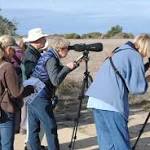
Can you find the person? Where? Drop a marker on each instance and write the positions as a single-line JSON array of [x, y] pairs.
[[10, 90], [108, 94], [51, 72], [16, 61], [23, 44], [35, 42]]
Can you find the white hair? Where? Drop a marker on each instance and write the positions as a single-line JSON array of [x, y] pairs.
[[57, 43], [142, 43]]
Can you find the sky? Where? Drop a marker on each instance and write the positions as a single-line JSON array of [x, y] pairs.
[[82, 6], [135, 11]]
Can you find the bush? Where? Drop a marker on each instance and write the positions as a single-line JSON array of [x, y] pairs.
[[92, 35], [7, 27], [72, 36], [123, 35]]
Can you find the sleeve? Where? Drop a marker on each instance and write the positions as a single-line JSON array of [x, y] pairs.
[[135, 75], [56, 73], [29, 62], [13, 82], [28, 66]]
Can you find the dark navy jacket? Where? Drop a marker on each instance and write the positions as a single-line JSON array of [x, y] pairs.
[[30, 60]]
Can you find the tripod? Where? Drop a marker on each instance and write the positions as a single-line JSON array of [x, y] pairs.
[[85, 84], [141, 131]]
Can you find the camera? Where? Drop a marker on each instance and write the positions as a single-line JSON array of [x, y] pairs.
[[95, 47]]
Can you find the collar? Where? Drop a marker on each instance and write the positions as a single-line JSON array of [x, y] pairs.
[[132, 45], [55, 53], [34, 50]]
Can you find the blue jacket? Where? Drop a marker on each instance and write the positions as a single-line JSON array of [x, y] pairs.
[[40, 70], [50, 71], [109, 87]]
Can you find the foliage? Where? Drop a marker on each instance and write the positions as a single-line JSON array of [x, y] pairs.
[[72, 36], [92, 35], [113, 31], [123, 35], [7, 27]]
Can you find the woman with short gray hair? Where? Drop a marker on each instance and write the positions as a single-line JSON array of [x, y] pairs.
[[50, 71], [57, 43]]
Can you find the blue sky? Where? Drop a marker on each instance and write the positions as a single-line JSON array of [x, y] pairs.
[[104, 7], [90, 13]]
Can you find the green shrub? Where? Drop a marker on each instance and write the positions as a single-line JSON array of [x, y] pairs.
[[92, 35], [123, 35], [72, 36], [113, 31], [7, 27]]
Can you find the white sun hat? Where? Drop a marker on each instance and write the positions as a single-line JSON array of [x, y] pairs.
[[34, 34]]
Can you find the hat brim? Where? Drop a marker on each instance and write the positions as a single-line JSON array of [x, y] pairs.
[[28, 39]]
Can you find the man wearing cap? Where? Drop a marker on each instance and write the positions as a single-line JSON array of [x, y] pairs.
[[36, 39], [36, 42]]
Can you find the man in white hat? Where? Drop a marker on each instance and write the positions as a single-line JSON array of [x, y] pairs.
[[36, 39], [36, 42]]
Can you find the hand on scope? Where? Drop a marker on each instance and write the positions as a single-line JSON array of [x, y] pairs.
[[71, 65]]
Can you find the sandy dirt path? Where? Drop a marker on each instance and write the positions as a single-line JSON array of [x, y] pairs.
[[86, 135]]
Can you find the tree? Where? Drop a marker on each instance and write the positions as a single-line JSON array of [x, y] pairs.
[[114, 30], [6, 26]]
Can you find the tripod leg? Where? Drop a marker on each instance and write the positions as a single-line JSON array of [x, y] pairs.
[[86, 81], [73, 136], [141, 131], [76, 121]]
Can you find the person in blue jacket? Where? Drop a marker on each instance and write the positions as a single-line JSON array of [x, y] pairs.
[[51, 72], [108, 94]]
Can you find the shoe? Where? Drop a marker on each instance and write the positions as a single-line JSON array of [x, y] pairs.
[[42, 147], [25, 148]]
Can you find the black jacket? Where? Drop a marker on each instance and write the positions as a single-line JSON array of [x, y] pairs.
[[30, 60]]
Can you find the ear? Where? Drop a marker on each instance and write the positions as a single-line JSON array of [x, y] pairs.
[[7, 50]]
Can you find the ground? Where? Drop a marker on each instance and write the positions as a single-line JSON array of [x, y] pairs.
[[86, 134]]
